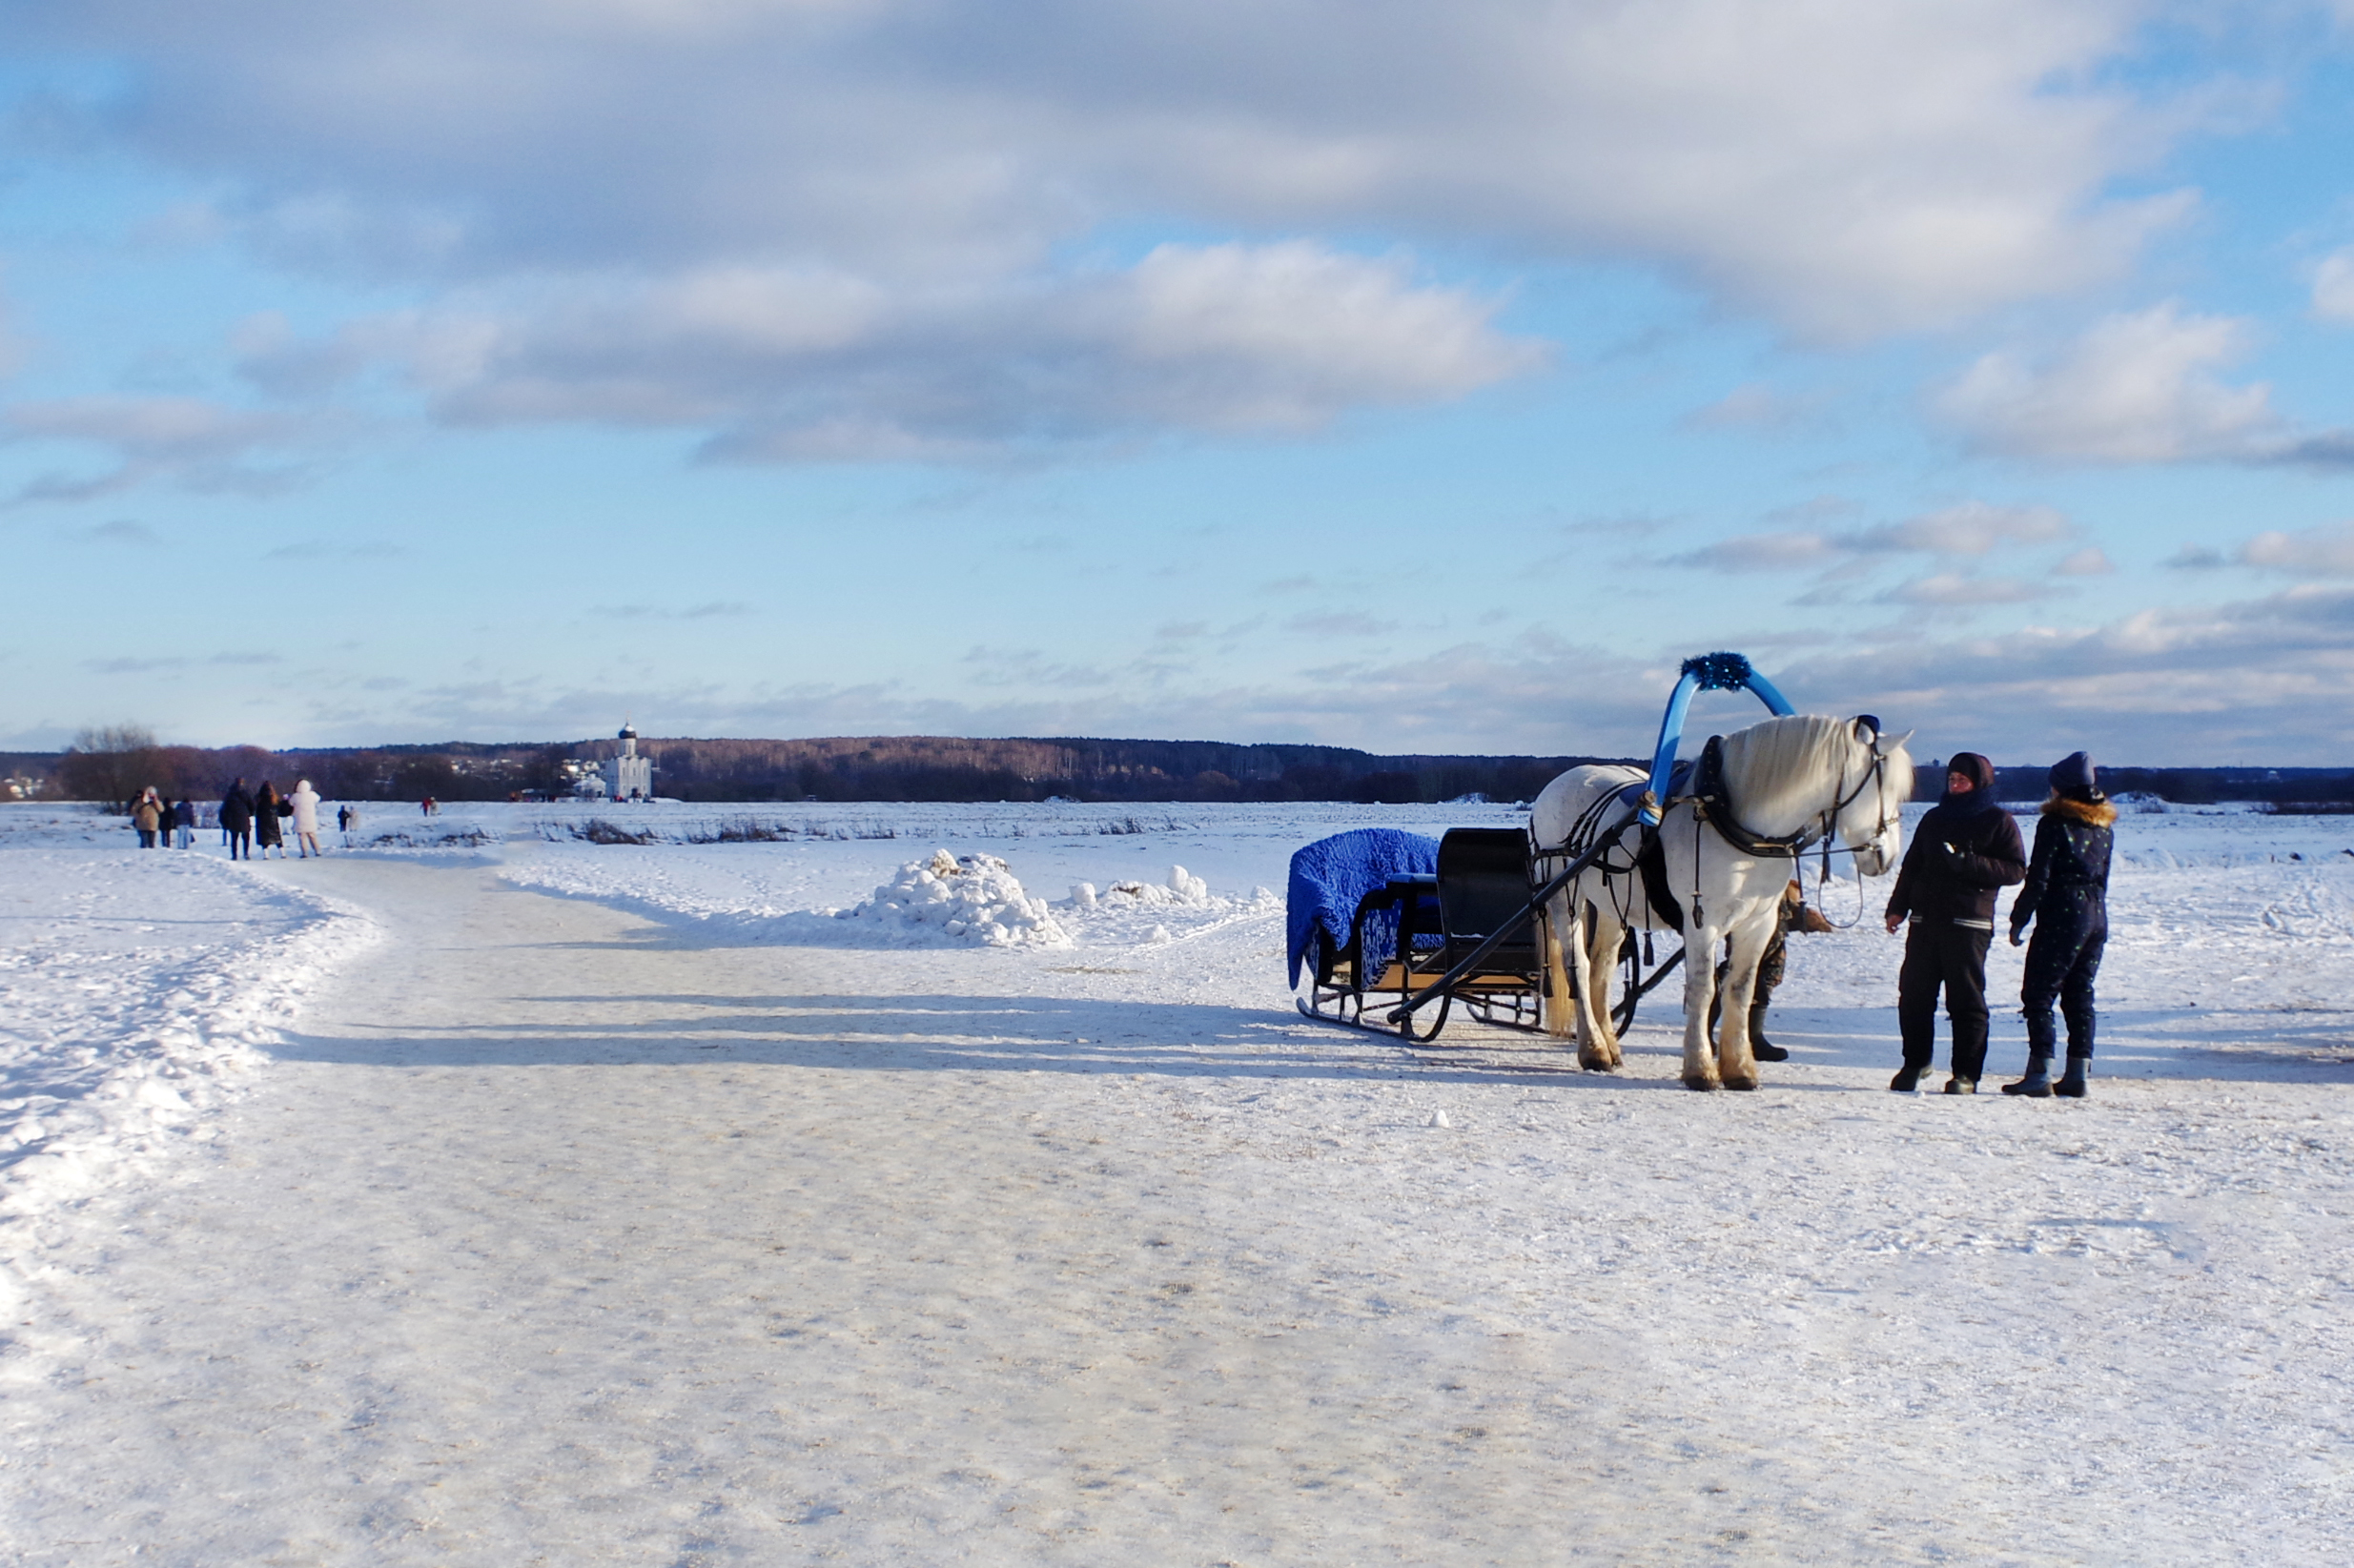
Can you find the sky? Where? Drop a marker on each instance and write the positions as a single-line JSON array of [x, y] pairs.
[[1409, 378]]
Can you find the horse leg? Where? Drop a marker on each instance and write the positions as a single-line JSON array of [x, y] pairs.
[[1609, 935], [1592, 1043], [1560, 1018], [1699, 990], [1736, 1058], [1597, 1041]]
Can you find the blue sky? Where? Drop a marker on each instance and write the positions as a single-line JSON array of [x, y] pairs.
[[1388, 375]]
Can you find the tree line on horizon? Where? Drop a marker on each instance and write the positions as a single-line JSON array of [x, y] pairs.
[[112, 764]]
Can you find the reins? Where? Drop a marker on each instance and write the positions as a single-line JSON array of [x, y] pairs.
[[1820, 831]]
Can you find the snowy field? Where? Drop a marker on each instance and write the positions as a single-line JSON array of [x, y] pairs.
[[490, 1193]]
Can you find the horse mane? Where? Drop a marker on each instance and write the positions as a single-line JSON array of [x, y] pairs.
[[1777, 771]]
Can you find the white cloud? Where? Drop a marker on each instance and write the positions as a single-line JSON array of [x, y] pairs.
[[2268, 679], [1969, 528], [2333, 288], [1973, 528], [2090, 562], [1845, 167], [198, 444], [2135, 387], [1952, 589], [1780, 552], [2258, 681], [2310, 551], [786, 364], [1756, 408], [1280, 335]]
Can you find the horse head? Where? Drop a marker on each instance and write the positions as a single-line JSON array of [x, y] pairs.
[[1869, 820]]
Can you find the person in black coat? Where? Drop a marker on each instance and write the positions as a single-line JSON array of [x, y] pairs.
[[268, 835], [2067, 897], [1965, 850], [236, 819]]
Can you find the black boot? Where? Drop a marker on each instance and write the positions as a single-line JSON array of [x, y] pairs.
[[2037, 1083], [2072, 1085], [1907, 1078], [1761, 1048]]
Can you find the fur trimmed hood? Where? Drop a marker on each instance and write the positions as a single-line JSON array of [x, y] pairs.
[[2091, 813]]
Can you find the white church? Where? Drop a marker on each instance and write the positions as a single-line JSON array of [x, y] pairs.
[[633, 775], [632, 780]]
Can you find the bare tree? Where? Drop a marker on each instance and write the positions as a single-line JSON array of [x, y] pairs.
[[109, 764]]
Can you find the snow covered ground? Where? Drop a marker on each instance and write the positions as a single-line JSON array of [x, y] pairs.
[[622, 1202], [136, 991]]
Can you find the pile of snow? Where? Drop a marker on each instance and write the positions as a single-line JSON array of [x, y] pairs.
[[1184, 888], [1138, 912], [961, 899]]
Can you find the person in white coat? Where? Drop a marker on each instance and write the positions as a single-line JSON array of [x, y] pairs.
[[305, 802]]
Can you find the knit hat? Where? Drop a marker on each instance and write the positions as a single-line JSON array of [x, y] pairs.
[[2072, 776]]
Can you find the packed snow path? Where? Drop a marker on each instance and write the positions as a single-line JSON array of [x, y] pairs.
[[557, 1237]]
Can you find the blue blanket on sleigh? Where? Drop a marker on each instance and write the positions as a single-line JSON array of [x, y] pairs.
[[1331, 876]]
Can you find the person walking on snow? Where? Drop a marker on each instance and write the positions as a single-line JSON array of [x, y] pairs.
[[267, 834], [236, 819], [1964, 852], [2067, 897], [184, 818], [305, 802], [147, 815]]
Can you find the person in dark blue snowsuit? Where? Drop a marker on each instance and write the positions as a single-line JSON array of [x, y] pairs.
[[2067, 897]]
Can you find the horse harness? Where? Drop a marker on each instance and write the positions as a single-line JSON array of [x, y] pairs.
[[1702, 787]]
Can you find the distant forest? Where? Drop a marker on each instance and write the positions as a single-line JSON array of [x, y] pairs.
[[872, 768], [113, 765]]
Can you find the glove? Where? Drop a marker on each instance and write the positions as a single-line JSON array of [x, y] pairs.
[[2017, 940]]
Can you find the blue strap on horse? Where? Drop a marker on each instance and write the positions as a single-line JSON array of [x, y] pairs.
[[1703, 672]]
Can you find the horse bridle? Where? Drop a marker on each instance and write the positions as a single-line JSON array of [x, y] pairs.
[[1877, 775]]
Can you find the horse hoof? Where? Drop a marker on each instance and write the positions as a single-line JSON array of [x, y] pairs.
[[1703, 1084], [1741, 1083], [1595, 1064]]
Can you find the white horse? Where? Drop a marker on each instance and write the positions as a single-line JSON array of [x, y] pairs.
[[1785, 779]]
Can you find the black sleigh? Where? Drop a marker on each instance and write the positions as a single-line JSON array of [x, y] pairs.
[[1462, 934]]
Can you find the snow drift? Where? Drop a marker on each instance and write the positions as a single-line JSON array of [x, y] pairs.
[[972, 900]]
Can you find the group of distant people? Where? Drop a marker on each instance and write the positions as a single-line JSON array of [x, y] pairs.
[[259, 821], [159, 821], [250, 820]]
